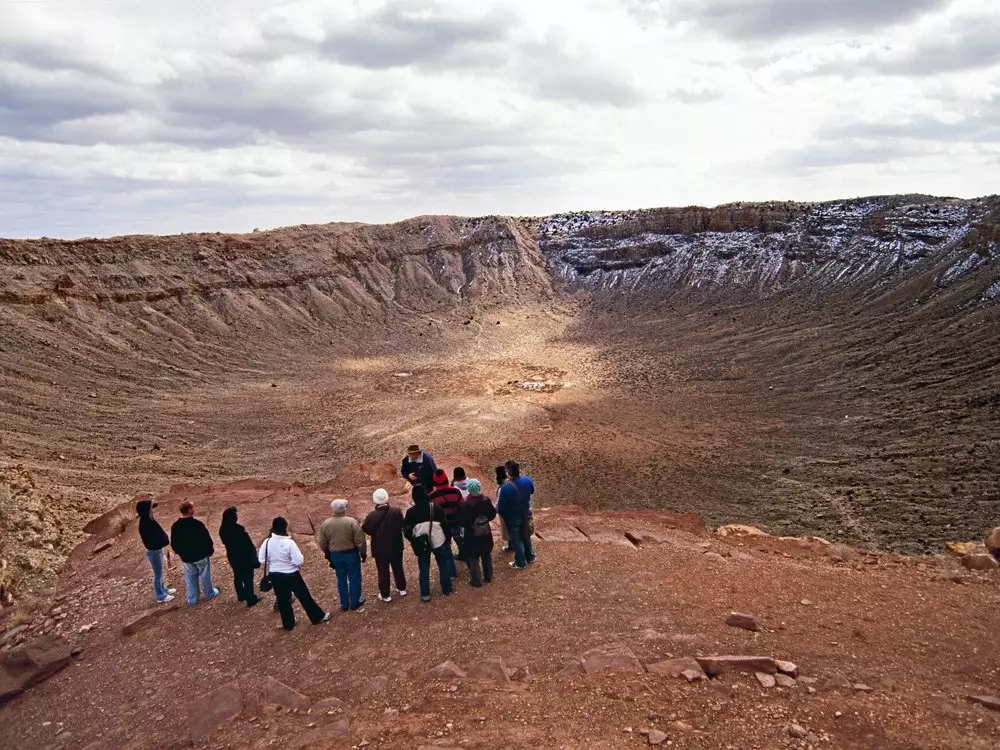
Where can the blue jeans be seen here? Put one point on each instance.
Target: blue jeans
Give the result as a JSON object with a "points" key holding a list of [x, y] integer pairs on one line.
{"points": [[155, 557], [446, 564], [195, 573], [348, 567], [524, 551]]}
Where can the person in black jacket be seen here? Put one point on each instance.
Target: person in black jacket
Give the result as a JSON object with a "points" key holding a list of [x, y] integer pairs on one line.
{"points": [[418, 467], [385, 526], [154, 539], [193, 545], [242, 556], [424, 525], [477, 512]]}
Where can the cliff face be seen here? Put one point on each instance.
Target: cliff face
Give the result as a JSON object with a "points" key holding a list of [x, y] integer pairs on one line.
{"points": [[415, 264], [763, 249]]}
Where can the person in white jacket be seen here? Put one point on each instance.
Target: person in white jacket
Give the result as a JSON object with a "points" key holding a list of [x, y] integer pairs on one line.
{"points": [[282, 559]]}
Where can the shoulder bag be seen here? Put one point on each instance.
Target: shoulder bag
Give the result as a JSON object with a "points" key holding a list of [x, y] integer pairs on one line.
{"points": [[266, 584]]}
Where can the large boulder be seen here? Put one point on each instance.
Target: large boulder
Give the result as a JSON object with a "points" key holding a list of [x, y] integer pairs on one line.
{"points": [[674, 667], [31, 663], [277, 693], [716, 665], [208, 711], [491, 668], [612, 656], [446, 670], [980, 561], [993, 542]]}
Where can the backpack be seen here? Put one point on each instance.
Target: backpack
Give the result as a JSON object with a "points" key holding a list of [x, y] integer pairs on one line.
{"points": [[481, 526]]}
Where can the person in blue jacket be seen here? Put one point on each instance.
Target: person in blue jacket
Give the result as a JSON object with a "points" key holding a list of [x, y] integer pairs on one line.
{"points": [[418, 467], [514, 507]]}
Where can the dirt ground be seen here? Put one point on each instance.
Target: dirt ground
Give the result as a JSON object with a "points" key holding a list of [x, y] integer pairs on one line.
{"points": [[858, 417]]}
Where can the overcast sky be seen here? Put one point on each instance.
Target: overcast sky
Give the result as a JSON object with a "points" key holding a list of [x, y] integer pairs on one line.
{"points": [[122, 116]]}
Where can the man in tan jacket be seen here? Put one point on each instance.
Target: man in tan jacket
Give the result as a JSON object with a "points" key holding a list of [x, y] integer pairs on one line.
{"points": [[343, 542]]}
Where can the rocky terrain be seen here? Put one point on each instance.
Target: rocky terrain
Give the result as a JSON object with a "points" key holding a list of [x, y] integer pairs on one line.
{"points": [[814, 370]]}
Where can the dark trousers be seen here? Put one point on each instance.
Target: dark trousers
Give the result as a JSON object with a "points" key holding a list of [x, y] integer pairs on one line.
{"points": [[445, 562], [524, 551], [383, 565], [480, 567], [286, 584], [244, 583]]}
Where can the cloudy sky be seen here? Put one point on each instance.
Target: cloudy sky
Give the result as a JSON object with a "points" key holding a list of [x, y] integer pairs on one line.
{"points": [[121, 116]]}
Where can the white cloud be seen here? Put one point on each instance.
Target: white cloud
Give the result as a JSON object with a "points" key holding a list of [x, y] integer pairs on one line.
{"points": [[131, 117]]}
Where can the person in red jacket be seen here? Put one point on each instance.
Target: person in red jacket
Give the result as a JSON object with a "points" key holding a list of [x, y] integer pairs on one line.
{"points": [[449, 499], [385, 526]]}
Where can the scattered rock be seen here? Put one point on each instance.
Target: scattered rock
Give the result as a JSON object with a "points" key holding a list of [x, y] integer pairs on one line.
{"points": [[836, 682], [797, 731], [806, 603], [693, 675], [572, 668], [278, 693], [656, 737], [321, 736], [371, 687], [742, 620], [765, 680], [445, 671], [141, 621], [490, 669], [787, 667], [989, 701], [31, 663], [675, 667], [716, 665], [521, 674], [611, 656], [328, 706], [206, 713], [980, 561], [861, 687], [784, 680]]}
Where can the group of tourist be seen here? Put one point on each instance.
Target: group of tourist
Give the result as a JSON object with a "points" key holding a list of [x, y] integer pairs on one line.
{"points": [[443, 511]]}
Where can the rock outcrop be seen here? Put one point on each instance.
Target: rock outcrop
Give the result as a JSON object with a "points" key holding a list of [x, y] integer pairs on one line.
{"points": [[31, 663]]}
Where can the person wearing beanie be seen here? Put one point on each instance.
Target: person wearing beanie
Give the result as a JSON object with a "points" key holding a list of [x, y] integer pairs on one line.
{"points": [[155, 540], [449, 500], [385, 526], [425, 527], [242, 556], [194, 546], [282, 559], [477, 512], [418, 467], [343, 542]]}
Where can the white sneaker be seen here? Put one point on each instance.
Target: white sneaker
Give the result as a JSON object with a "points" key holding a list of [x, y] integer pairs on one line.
{"points": [[167, 598], [401, 592], [171, 591], [384, 598]]}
